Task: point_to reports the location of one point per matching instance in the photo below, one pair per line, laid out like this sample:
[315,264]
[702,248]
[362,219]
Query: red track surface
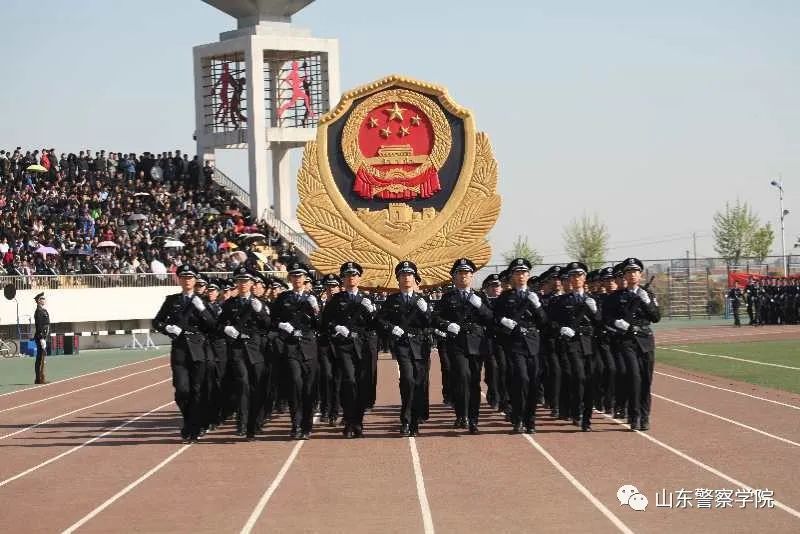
[561,480]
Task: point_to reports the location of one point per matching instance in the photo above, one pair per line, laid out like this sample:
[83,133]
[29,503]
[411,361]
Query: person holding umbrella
[41,318]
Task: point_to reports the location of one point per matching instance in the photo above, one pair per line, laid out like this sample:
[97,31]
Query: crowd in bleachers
[123,213]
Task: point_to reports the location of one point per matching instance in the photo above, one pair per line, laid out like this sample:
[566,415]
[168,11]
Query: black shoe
[517,428]
[251,436]
[212,427]
[305,436]
[461,422]
[240,431]
[576,421]
[644,424]
[586,428]
[194,438]
[530,429]
[358,431]
[331,420]
[414,430]
[473,427]
[554,413]
[185,434]
[609,411]
[295,433]
[634,423]
[203,432]
[405,430]
[348,431]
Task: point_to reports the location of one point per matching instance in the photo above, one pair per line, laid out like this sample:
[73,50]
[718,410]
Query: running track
[99,453]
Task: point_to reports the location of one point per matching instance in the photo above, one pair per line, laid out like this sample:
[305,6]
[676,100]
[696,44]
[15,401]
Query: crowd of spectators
[124,213]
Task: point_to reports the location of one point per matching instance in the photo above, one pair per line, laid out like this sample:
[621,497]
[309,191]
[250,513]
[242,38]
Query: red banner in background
[744,278]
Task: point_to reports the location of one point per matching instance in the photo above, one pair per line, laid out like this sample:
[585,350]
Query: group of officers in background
[570,340]
[768,301]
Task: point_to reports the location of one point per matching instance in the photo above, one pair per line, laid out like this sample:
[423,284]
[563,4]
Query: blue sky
[650,114]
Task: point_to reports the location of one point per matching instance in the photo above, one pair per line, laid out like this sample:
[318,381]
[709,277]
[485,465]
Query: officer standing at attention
[41,318]
[736,296]
[631,311]
[243,320]
[185,318]
[406,316]
[297,314]
[464,315]
[519,315]
[349,316]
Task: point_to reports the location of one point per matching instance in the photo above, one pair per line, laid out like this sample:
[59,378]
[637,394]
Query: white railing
[225,181]
[300,241]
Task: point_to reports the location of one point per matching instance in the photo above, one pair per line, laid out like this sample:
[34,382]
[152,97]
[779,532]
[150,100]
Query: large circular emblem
[395,142]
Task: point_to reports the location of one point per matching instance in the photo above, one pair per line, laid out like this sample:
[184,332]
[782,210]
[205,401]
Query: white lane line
[732,358]
[262,502]
[580,487]
[79,447]
[88,517]
[731,421]
[701,465]
[81,389]
[20,431]
[39,386]
[422,495]
[729,390]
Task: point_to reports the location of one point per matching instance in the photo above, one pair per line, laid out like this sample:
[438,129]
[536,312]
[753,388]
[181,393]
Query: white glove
[567,331]
[475,300]
[422,305]
[198,303]
[439,333]
[643,295]
[511,324]
[534,298]
[42,344]
[313,301]
[341,330]
[454,328]
[286,327]
[297,333]
[256,304]
[231,332]
[368,305]
[397,331]
[591,304]
[172,329]
[622,324]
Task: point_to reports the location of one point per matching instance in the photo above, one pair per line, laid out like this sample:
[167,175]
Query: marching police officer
[576,315]
[185,318]
[297,313]
[329,379]
[243,320]
[548,355]
[406,316]
[519,314]
[215,371]
[496,371]
[41,318]
[608,380]
[464,315]
[631,311]
[349,317]
[736,296]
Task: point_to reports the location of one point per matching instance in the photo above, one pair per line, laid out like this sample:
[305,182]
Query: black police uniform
[518,316]
[735,295]
[637,308]
[297,316]
[465,347]
[249,318]
[187,321]
[353,350]
[41,318]
[495,367]
[329,380]
[218,362]
[406,318]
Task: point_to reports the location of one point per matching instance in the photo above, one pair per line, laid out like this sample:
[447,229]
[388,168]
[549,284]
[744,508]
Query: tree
[521,249]
[586,240]
[738,234]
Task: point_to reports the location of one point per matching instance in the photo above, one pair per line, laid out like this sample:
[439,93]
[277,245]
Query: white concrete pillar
[256,128]
[281,175]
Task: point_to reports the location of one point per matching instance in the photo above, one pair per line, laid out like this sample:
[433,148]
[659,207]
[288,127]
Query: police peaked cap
[407,267]
[331,279]
[632,264]
[186,271]
[503,275]
[492,280]
[298,268]
[576,267]
[242,273]
[39,296]
[552,272]
[260,278]
[618,270]
[605,273]
[279,282]
[350,267]
[533,281]
[215,283]
[463,264]
[202,280]
[519,264]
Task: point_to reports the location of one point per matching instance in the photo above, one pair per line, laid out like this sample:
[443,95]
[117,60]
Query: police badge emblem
[398,172]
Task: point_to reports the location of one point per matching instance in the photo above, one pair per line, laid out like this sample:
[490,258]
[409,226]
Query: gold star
[373,122]
[415,120]
[395,112]
[386,132]
[403,131]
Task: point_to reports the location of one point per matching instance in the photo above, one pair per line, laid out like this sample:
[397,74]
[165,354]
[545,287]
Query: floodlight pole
[779,185]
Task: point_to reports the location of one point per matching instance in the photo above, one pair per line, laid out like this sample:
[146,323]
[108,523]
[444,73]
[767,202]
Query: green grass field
[776,352]
[17,373]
